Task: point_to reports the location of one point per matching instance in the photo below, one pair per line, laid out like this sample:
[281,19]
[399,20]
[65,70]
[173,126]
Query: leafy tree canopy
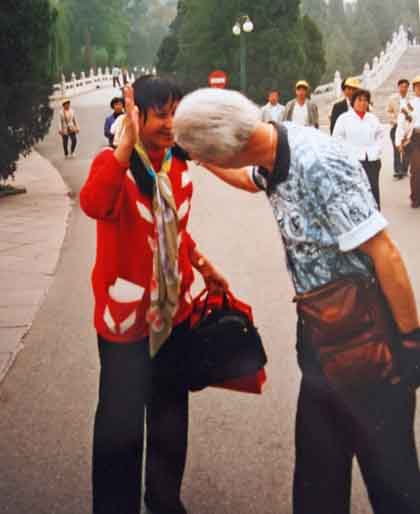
[25,116]
[279,49]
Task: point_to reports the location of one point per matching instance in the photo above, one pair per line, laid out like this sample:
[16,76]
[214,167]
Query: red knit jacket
[125,225]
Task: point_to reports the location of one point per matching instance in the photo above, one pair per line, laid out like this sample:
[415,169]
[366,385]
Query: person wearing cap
[117,106]
[407,140]
[301,110]
[273,110]
[68,128]
[363,134]
[349,86]
[395,103]
[331,230]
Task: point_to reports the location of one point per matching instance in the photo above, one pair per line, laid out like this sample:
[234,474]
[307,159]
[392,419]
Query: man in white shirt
[301,110]
[395,104]
[273,111]
[407,140]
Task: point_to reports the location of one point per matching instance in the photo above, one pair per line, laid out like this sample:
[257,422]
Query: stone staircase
[408,67]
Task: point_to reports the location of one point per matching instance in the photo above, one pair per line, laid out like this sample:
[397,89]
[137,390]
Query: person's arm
[316,115]
[99,197]
[76,124]
[240,178]
[391,112]
[403,129]
[333,118]
[379,137]
[340,128]
[394,280]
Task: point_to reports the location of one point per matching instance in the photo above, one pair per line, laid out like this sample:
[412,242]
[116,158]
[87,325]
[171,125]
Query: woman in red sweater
[140,195]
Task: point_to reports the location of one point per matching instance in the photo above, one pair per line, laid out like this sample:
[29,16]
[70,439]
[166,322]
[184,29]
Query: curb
[33,227]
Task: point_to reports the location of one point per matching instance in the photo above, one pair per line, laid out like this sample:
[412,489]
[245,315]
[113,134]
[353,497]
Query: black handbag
[224,343]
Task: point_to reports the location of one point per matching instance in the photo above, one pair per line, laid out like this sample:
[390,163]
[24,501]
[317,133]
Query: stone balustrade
[373,76]
[88,82]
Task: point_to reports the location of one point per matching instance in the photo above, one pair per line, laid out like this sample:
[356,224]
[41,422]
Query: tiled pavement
[32,230]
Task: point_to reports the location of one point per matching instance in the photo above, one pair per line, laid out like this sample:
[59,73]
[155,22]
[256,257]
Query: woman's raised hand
[131,132]
[131,127]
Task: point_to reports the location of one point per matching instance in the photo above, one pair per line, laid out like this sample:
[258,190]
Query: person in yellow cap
[349,86]
[302,110]
[407,140]
[68,128]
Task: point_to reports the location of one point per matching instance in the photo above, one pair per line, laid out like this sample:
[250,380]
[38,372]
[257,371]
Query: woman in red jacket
[140,195]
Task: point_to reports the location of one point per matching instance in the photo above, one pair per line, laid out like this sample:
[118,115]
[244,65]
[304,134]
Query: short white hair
[213,123]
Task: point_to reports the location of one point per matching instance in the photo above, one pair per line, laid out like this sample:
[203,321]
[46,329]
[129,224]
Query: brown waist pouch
[350,327]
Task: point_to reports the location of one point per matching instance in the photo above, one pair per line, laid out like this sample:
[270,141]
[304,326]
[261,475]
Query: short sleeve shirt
[324,209]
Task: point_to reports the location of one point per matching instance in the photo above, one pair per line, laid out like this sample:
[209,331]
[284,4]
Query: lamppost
[243,25]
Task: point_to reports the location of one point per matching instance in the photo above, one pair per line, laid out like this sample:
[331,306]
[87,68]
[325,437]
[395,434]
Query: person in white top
[395,103]
[302,110]
[407,140]
[364,136]
[116,76]
[117,129]
[273,110]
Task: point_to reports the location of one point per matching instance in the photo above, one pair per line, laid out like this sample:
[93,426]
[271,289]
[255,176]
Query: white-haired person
[355,400]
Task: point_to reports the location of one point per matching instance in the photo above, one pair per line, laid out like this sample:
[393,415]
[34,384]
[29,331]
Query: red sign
[218,79]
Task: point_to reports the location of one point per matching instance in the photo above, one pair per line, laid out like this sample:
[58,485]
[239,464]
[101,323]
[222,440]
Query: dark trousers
[414,154]
[372,169]
[115,81]
[400,164]
[375,426]
[72,136]
[130,384]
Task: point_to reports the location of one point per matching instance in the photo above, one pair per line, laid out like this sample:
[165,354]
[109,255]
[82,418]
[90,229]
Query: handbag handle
[227,295]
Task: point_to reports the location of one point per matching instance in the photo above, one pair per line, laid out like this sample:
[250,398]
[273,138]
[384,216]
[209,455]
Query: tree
[201,39]
[25,85]
[315,63]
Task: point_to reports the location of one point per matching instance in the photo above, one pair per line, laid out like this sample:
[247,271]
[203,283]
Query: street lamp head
[248,26]
[236,29]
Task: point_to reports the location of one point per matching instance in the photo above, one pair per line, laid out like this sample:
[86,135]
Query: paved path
[32,228]
[241,447]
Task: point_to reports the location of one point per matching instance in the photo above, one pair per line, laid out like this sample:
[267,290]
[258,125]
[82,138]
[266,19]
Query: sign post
[218,79]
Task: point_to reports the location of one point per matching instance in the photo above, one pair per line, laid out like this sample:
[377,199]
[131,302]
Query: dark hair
[358,94]
[116,100]
[151,92]
[343,84]
[403,81]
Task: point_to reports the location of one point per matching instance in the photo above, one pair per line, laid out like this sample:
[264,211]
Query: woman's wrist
[123,152]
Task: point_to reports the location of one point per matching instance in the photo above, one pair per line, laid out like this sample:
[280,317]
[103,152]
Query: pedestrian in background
[364,134]
[125,78]
[410,35]
[302,110]
[116,77]
[407,140]
[68,128]
[395,104]
[273,110]
[117,106]
[349,86]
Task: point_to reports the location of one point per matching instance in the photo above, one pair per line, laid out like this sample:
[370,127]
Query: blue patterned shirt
[324,210]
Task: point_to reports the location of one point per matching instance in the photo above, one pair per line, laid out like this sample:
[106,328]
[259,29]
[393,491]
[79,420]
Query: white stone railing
[85,83]
[373,76]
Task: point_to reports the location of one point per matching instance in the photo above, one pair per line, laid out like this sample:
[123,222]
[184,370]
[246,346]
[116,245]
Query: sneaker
[73,155]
